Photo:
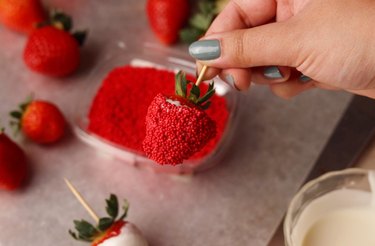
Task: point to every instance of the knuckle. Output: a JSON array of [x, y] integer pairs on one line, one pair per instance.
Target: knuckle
[[240, 56]]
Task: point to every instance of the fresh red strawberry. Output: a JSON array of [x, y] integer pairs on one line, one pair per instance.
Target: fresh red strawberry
[[52, 52], [40, 121], [52, 49], [13, 164], [177, 126], [167, 17], [21, 15], [110, 230]]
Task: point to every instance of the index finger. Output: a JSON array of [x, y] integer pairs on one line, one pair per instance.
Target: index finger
[[239, 14]]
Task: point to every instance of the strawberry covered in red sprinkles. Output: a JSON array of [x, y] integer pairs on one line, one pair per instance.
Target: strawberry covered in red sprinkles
[[177, 126]]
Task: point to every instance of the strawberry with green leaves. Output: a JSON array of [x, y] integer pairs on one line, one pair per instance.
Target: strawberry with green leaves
[[52, 49], [21, 15], [13, 164], [177, 126], [111, 230], [40, 121]]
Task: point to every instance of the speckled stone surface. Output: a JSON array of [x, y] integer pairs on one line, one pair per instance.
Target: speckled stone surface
[[239, 202]]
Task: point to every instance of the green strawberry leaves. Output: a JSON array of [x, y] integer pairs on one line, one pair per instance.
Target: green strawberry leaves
[[87, 232], [194, 93], [203, 18], [60, 18], [210, 92], [189, 35], [181, 84], [105, 223], [112, 206], [125, 207], [199, 22], [62, 21], [206, 105], [16, 115], [80, 36]]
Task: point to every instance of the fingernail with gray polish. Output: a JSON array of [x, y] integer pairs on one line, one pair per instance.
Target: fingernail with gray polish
[[272, 73], [304, 78], [230, 80], [205, 50]]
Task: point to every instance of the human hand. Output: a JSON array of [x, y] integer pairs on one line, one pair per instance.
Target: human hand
[[330, 41]]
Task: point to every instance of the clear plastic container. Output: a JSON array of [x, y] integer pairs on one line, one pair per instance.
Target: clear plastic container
[[159, 57]]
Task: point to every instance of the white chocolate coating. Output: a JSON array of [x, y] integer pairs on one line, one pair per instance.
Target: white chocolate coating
[[174, 102], [130, 235]]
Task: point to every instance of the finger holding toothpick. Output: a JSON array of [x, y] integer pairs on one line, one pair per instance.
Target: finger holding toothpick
[[239, 79]]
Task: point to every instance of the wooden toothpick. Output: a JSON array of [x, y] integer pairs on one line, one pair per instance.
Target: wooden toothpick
[[201, 74], [82, 200]]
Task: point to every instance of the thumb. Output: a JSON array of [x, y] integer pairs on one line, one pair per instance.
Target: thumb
[[271, 44]]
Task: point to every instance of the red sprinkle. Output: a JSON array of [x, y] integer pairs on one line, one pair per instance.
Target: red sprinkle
[[119, 109]]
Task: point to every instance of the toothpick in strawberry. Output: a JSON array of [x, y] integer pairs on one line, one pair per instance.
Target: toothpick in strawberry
[[176, 125], [111, 230]]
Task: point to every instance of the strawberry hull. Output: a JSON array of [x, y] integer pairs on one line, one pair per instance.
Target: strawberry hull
[[175, 130]]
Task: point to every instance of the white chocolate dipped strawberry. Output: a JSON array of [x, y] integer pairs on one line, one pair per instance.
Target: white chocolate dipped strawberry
[[110, 231]]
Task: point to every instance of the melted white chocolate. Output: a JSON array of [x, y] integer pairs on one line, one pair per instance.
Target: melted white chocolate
[[129, 236], [343, 217], [344, 227]]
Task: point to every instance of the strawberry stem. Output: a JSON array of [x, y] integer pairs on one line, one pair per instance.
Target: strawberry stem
[[16, 115], [61, 20], [88, 232], [64, 22], [194, 94], [181, 84]]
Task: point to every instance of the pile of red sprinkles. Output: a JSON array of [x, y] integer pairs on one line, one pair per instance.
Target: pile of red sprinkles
[[120, 106]]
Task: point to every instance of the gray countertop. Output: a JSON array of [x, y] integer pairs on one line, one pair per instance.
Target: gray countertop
[[239, 202]]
